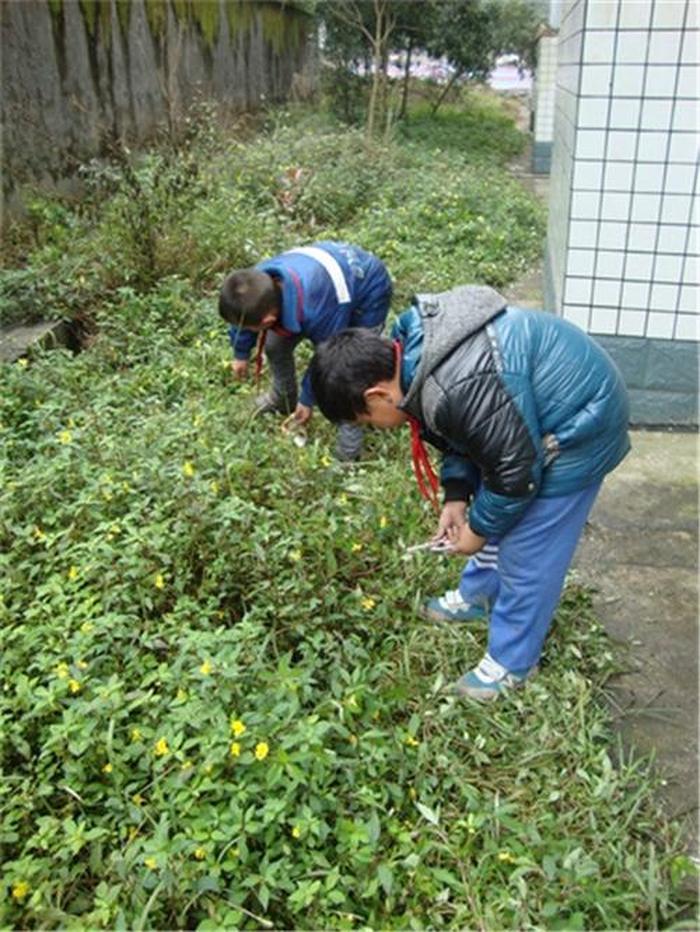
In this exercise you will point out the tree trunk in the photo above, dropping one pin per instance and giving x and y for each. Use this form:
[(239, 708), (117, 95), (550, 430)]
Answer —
[(403, 112), (446, 91)]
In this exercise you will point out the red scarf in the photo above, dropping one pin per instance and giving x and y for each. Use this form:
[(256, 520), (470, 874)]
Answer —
[(422, 467)]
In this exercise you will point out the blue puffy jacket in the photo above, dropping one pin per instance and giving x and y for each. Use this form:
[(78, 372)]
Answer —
[(326, 287), (522, 403)]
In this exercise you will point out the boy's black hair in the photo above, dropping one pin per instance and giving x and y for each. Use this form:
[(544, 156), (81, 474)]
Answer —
[(345, 366), (246, 296)]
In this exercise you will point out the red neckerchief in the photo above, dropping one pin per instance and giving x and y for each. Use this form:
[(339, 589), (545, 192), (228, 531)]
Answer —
[(422, 467), (278, 328)]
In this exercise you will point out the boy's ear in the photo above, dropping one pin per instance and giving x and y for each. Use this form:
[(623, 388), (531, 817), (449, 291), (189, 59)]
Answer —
[(377, 393), (269, 318)]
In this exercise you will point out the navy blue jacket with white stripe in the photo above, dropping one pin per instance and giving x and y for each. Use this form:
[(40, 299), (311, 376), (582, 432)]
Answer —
[(522, 403), (352, 289)]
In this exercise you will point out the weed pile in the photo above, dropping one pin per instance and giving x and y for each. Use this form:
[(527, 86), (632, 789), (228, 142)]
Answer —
[(220, 707)]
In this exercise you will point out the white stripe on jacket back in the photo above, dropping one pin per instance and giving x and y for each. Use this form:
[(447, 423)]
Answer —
[(331, 265)]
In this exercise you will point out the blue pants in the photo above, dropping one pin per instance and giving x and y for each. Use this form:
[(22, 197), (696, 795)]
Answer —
[(521, 576)]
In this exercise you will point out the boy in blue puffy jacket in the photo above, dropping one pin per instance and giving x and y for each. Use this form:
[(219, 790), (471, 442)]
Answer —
[(530, 415), (313, 292)]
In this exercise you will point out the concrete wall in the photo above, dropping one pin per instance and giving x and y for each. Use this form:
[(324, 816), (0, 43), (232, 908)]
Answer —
[(78, 73), (622, 254)]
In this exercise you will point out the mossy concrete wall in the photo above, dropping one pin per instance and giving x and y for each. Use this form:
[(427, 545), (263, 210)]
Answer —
[(76, 74)]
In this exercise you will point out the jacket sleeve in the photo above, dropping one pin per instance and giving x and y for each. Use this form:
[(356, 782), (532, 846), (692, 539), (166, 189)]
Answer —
[(459, 477), (493, 419), (242, 341), (306, 395)]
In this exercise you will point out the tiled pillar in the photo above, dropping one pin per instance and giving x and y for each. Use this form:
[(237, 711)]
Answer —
[(543, 100), (622, 258)]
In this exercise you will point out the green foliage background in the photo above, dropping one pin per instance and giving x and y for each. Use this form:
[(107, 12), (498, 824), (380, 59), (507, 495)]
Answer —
[(171, 567)]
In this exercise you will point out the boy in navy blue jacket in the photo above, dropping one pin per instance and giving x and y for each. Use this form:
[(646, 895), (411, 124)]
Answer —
[(530, 414), (313, 292)]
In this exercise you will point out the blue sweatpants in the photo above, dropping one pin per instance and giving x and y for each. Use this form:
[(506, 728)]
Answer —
[(521, 576)]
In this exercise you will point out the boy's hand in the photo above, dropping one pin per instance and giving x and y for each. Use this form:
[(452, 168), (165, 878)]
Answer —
[(239, 368), (464, 540), (302, 413), (452, 516)]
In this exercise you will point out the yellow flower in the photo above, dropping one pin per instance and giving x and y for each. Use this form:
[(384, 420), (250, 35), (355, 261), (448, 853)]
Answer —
[(151, 863), (325, 460), (206, 668), (197, 420), (383, 521), (262, 749), (23, 363), (86, 627), (342, 499), (73, 573), (81, 665), (237, 727), (20, 890), (296, 832), (200, 853), (39, 534), (135, 734), (181, 695), (107, 768), (214, 486), (207, 768), (137, 799), (294, 556), (235, 749), (185, 765), (411, 742), (161, 748), (65, 436), (74, 686), (356, 547), (188, 469), (62, 670), (368, 603), (159, 582), (506, 856)]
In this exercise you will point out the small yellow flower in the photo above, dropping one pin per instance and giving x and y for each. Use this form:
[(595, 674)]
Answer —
[(136, 734), (74, 686), (22, 363), (294, 556), (197, 420), (506, 856), (383, 521), (159, 582), (185, 765), (39, 534), (351, 702), (161, 748), (107, 768), (188, 469), (235, 749), (342, 499), (65, 436), (81, 665), (206, 668), (296, 832), (325, 460), (368, 603), (181, 695), (151, 863), (71, 422), (62, 670), (262, 749), (412, 792), (207, 768), (214, 486), (200, 854), (20, 890), (86, 627), (237, 727), (137, 799), (73, 573), (411, 742), (356, 547)]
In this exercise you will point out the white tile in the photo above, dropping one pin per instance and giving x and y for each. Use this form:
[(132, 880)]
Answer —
[(646, 207), (601, 14), (612, 234), (618, 176), (668, 268), (622, 145), (576, 315), (649, 177), (609, 263), (691, 47), (681, 179), (642, 237), (656, 114), (687, 327), (685, 115), (578, 291), (585, 205), (693, 18), (664, 47), (604, 320), (690, 270), (673, 238), (590, 143), (632, 323), (688, 81), (662, 82), (638, 265), (670, 14), (624, 113), (631, 47), (635, 294), (635, 14), (587, 176), (598, 47), (582, 232), (596, 80), (663, 297), (689, 300), (675, 208), (615, 206), (660, 325), (593, 113), (652, 147), (606, 292), (628, 80), (580, 262)]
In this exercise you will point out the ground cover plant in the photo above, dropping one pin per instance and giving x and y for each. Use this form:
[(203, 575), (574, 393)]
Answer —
[(220, 707)]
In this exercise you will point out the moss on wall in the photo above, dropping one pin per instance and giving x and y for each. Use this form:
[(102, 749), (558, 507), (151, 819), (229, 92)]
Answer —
[(123, 14), (157, 16)]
